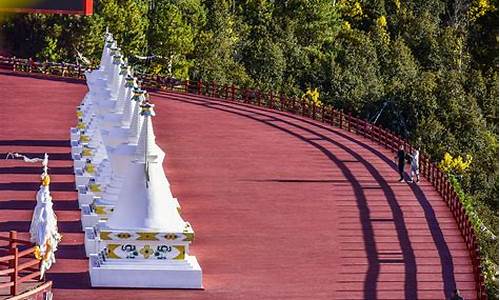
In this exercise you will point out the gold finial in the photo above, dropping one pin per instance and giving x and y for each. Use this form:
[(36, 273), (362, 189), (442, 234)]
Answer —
[(45, 180)]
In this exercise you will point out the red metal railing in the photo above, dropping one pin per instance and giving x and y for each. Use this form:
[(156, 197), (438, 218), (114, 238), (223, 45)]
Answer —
[(324, 113), (18, 265)]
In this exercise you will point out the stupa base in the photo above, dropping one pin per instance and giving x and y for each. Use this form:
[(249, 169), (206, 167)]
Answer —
[(84, 198), (81, 180), (183, 274), (76, 149), (89, 218), (78, 163), (74, 134), (90, 241)]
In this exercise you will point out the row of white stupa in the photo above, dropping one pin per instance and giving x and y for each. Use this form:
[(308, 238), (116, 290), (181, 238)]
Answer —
[(134, 234)]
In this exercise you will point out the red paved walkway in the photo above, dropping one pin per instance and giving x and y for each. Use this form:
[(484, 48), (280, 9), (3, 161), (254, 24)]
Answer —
[(283, 208)]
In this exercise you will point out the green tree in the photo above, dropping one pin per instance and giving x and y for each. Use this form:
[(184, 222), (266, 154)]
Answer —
[(172, 33)]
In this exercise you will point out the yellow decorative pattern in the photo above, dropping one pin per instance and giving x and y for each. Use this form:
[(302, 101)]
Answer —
[(170, 236), (182, 252), (79, 113), (81, 125), (111, 251), (84, 138), (86, 152), (105, 235), (89, 168), (147, 236), (189, 236), (95, 188), (124, 235), (147, 251), (100, 210)]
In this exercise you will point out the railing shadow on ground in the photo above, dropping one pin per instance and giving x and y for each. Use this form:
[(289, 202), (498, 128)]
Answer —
[(33, 186), (52, 156), (436, 178), (69, 205), (71, 251), (370, 282), (24, 226), (69, 280), (280, 102), (36, 170), (45, 143)]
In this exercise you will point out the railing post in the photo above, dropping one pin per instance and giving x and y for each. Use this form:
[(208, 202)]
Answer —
[(323, 113), (200, 85), (186, 86), (14, 68), (213, 89), (14, 262), (270, 103), (314, 111), (349, 122), (233, 88), (226, 91), (340, 119)]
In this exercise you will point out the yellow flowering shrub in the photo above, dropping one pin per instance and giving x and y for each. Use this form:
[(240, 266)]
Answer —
[(312, 97), (382, 21), (479, 8), (346, 25), (457, 165), (351, 8)]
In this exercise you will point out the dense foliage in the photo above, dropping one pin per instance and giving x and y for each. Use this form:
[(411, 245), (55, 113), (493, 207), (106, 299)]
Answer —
[(431, 66)]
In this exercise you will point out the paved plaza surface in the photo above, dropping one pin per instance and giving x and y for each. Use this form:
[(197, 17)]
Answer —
[(283, 207)]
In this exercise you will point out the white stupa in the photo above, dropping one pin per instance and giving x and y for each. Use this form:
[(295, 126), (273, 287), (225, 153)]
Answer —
[(99, 74), (119, 156), (145, 242), (104, 202)]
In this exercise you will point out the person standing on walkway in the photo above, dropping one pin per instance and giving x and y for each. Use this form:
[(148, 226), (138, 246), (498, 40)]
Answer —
[(400, 158), (414, 164)]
